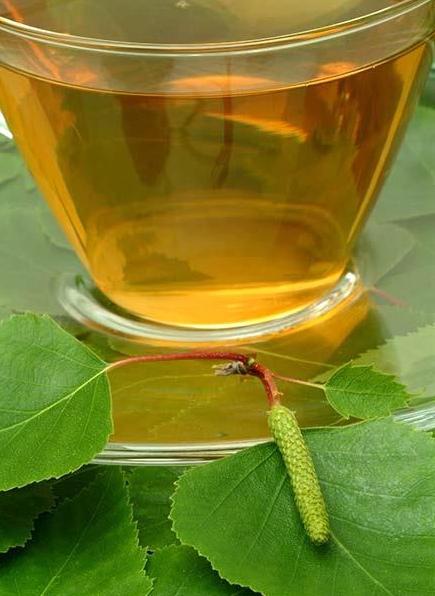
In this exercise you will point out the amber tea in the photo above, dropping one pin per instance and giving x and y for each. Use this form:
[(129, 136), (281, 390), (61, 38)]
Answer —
[(229, 199)]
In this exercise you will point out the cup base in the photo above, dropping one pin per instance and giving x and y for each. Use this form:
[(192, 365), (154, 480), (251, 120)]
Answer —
[(87, 305)]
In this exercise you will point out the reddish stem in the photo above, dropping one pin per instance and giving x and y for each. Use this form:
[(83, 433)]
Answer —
[(266, 377), (252, 368), (194, 355), (389, 297)]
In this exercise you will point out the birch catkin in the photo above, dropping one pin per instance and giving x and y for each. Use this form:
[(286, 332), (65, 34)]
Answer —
[(297, 458)]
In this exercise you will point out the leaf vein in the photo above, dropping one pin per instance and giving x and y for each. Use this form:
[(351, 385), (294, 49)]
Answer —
[(360, 566), (67, 397), (79, 540)]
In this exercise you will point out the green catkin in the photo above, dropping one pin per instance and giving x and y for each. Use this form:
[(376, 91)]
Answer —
[(297, 458)]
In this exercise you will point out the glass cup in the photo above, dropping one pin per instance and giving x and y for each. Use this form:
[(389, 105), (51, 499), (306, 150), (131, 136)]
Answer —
[(212, 162)]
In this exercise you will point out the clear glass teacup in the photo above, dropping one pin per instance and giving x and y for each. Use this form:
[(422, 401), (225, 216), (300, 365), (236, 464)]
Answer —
[(211, 161)]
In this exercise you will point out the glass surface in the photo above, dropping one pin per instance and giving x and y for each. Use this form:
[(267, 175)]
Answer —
[(185, 21), (178, 412), (220, 186)]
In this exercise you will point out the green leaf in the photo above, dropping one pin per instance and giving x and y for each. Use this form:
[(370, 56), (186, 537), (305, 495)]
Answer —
[(378, 482), (30, 269), (16, 183), (70, 485), (179, 571), (51, 228), (413, 282), (55, 412), (18, 510), (361, 392), (414, 287), (410, 188), (150, 491), (422, 229), (410, 357), (88, 545), (11, 165), (375, 257), (15, 196), (399, 321)]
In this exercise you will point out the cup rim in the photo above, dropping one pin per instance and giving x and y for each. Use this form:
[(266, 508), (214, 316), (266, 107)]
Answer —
[(250, 45)]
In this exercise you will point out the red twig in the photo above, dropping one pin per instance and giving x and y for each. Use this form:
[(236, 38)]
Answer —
[(266, 377), (389, 297), (194, 355)]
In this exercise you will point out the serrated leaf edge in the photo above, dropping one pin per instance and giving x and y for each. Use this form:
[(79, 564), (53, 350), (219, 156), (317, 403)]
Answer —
[(201, 554), (396, 337), (134, 525), (374, 369), (87, 489), (31, 529)]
